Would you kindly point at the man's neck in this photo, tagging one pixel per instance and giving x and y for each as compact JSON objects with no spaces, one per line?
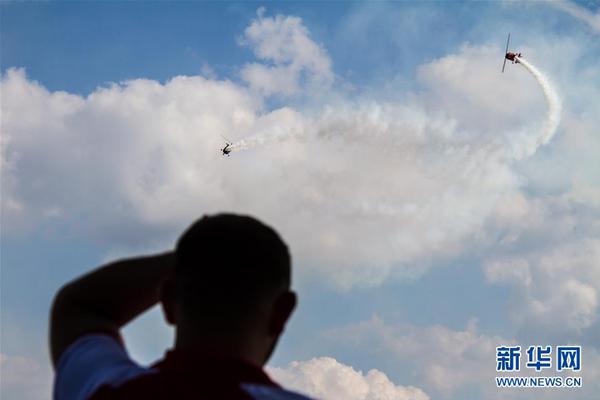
{"x":222,"y":346}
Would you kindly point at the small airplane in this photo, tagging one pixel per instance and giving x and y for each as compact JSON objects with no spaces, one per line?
{"x":514,"y":57}
{"x":227,"y":149}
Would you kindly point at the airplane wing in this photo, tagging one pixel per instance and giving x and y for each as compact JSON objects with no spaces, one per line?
{"x":505,"y":52}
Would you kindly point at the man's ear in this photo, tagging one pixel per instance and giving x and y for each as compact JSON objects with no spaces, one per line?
{"x":282,"y":310}
{"x":166,"y":297}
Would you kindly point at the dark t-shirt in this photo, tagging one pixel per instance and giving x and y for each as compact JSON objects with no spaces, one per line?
{"x":97,"y":367}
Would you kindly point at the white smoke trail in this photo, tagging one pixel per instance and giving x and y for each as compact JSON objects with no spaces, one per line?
{"x":554,"y":106}
{"x":286,"y":123}
{"x":277,"y":133}
{"x":277,"y":126}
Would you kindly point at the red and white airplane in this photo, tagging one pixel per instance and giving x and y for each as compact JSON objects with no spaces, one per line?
{"x":514,"y":57}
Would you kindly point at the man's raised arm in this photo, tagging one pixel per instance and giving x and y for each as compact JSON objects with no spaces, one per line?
{"x":106,"y":299}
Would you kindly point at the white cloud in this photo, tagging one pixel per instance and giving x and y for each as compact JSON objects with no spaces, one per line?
{"x":291,"y":58}
{"x":365,"y":189}
{"x":581,"y":13}
{"x":468,"y":86}
{"x":143,"y":157}
{"x":509,"y":271}
{"x":326,"y":378}
{"x":362,"y":190}
{"x":556,"y":290}
{"x":542,"y":239}
{"x":545,"y":244}
{"x":439,"y":359}
{"x":448,"y":363}
{"x":122,"y":153}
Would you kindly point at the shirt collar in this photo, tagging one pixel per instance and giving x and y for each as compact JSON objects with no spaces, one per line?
{"x":207,"y":364}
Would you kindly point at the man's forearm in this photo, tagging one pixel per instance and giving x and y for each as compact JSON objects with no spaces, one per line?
{"x":107,"y":298}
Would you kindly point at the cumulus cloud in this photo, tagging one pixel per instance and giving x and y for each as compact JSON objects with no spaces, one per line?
{"x":291,"y":59}
{"x":459,"y":85}
{"x":361,"y":189}
{"x":326,"y":378}
{"x":542,"y":236}
{"x":449,"y":363}
{"x":544,"y":244}
{"x":122,"y":153}
{"x":144,"y":156}
{"x":563,"y":281}
{"x":439,"y":359}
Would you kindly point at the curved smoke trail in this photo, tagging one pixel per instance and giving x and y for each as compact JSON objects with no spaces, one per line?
{"x":553,"y":101}
{"x":292,"y":123}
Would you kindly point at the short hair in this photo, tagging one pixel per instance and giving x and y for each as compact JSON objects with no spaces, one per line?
{"x":227,"y":264}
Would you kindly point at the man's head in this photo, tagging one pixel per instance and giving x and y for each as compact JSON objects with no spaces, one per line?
{"x":231,"y":284}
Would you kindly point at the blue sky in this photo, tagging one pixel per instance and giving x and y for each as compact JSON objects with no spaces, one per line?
{"x":165,"y":40}
{"x":419,"y":240}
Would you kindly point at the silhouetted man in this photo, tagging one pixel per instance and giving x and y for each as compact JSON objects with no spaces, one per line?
{"x":226,"y":288}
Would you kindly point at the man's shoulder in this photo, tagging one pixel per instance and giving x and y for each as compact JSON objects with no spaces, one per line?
{"x":97,"y":367}
{"x":183,"y":375}
{"x":156,"y":386}
{"x":92,"y":361}
{"x":264,"y":392}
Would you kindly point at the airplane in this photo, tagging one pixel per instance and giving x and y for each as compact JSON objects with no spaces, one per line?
{"x":514,"y":57}
{"x":227,"y":149}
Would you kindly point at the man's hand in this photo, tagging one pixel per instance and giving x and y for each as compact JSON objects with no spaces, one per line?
{"x":106,"y":299}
